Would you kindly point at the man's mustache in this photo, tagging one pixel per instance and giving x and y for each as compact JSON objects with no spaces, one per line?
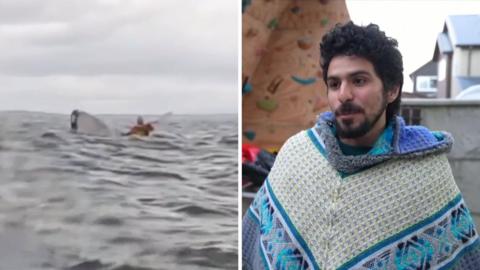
{"x":348,"y":108}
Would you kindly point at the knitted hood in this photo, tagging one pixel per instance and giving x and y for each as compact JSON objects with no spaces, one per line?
{"x":397,"y":141}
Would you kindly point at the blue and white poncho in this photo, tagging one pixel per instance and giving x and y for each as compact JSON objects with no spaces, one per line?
{"x":396,"y":207}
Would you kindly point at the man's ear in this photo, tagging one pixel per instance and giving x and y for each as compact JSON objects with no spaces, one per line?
{"x":393,"y":93}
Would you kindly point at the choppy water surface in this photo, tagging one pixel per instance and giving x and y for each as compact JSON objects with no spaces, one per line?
{"x":70,"y":201}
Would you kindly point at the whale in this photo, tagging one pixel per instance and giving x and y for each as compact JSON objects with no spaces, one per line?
{"x":84,"y":123}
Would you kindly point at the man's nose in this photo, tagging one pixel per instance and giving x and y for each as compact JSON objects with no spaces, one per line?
{"x":345,"y":93}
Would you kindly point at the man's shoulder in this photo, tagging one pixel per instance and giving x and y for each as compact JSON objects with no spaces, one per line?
{"x":297,"y":139}
{"x":421,"y":140}
{"x":298,"y":148}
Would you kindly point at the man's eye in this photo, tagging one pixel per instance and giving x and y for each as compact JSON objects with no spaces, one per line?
{"x":359,"y":81}
{"x":333,"y":85}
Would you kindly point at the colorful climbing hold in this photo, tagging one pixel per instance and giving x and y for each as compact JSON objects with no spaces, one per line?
{"x":247,"y":88}
{"x":249,"y":134}
{"x":268,"y":105}
{"x":251,"y":32}
{"x":295,"y":9}
{"x":324,"y":21}
{"x":304,"y":81}
{"x":274,"y":84}
{"x":304,"y":43}
{"x":272,"y":24}
{"x":245,"y":4}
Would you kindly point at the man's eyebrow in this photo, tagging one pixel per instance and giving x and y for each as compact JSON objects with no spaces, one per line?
{"x":361,"y":72}
{"x":352,"y":74}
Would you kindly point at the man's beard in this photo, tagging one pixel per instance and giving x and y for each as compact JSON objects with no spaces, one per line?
{"x":347,"y":130}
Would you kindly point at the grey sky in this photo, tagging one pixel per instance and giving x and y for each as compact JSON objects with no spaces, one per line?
{"x":112,"y":56}
{"x":415,"y":24}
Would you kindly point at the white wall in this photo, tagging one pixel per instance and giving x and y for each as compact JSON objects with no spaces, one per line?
{"x":461,"y":62}
{"x":460,"y":118}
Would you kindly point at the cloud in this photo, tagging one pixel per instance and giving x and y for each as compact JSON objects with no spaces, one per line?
{"x":118,"y":94}
{"x":107,"y":50}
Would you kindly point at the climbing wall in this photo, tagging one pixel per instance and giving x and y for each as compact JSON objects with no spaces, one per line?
{"x":283,"y":90}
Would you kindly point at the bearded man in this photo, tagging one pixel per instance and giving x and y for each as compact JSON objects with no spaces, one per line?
{"x":361,"y":190}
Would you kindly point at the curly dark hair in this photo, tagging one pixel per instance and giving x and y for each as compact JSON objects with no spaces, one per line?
{"x":372,"y":44}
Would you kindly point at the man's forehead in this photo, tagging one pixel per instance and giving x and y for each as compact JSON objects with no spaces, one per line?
{"x":341,"y":66}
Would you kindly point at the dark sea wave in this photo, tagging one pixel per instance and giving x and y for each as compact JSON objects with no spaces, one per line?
{"x":74,"y":202}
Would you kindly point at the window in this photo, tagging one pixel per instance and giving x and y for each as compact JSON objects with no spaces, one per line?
{"x":426,"y":83}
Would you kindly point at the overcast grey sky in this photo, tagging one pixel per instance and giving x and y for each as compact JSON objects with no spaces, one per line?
{"x":415,"y":24}
{"x":119,"y":56}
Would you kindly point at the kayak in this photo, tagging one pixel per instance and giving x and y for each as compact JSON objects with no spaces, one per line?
{"x":137,"y":137}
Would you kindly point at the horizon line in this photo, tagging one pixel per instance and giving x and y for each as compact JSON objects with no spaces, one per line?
{"x":131,"y":113}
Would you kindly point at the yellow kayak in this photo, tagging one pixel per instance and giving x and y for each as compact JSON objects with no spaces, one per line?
{"x":137,"y":136}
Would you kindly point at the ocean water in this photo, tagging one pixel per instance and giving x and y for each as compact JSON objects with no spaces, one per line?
{"x":75,"y":202}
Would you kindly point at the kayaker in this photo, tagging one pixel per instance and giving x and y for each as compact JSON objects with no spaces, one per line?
{"x":141,"y":128}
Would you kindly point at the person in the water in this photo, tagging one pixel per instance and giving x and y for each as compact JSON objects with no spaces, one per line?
{"x":141,"y":128}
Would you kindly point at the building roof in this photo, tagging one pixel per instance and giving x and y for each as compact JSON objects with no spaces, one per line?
{"x":458,"y":31}
{"x":463,"y":30}
{"x":428,"y":69}
{"x":444,"y":44}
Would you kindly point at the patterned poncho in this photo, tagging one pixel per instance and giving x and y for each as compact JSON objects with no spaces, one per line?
{"x":396,"y":207}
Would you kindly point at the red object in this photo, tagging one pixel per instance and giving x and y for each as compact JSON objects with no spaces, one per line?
{"x":249,"y":153}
